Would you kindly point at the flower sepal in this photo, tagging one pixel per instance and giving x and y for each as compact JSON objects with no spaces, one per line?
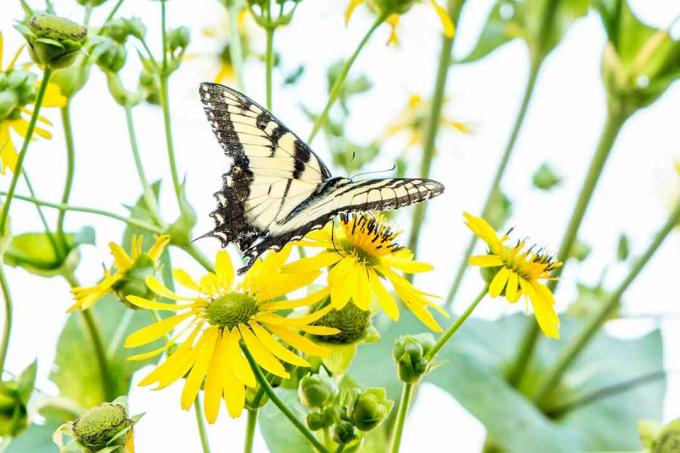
{"x":369,"y":408}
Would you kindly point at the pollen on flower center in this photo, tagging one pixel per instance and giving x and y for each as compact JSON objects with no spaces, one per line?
{"x":367,"y":238}
{"x":231,"y":309}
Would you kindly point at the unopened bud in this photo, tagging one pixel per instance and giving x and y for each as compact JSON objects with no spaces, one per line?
{"x":370,"y":408}
{"x":53,"y":41}
{"x":409,"y":353}
{"x":316,"y":390}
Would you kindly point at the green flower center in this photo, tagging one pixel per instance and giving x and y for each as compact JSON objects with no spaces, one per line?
{"x":351,"y":321}
{"x":57,"y":28}
{"x":362,"y":255}
{"x":98,"y":425}
{"x":231,"y":309}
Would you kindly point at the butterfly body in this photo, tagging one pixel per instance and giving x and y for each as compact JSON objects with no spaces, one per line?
{"x":277,"y":189}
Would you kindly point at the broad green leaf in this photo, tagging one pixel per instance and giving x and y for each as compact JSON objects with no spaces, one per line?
{"x":36,"y":439}
{"x":279,"y":433}
{"x":34,"y":251}
{"x":510,"y":19}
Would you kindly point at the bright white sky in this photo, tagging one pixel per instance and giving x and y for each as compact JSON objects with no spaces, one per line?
{"x":562,"y":127}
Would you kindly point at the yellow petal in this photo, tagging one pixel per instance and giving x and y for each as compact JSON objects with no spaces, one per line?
{"x":262,"y":356}
{"x":150,"y":354}
{"x":237,"y":362}
{"x":184,"y":279}
{"x":154,"y":331}
{"x":363,"y":296}
{"x":176,"y":365}
{"x":484,"y":231}
{"x":445,"y":19}
{"x":498,"y":283}
{"x":299,"y":342}
{"x":157,"y":248}
{"x":234,"y":394}
{"x":350,"y":9}
{"x":224,"y":269}
{"x":210,"y":284}
{"x":341,"y":289}
{"x":385,"y":299}
{"x":313,"y":263}
{"x":485,"y":261}
{"x":163,"y":291}
{"x":295,"y":321}
{"x":543,"y":311}
{"x":204,"y":352}
{"x":393,"y":21}
{"x":511,"y":291}
{"x":120,"y":257}
{"x":53,"y":96}
{"x":214,"y":381}
{"x":412,"y":267}
{"x":275,"y":347}
{"x":153,"y":305}
{"x":310,"y":299}
{"x":319,"y":330}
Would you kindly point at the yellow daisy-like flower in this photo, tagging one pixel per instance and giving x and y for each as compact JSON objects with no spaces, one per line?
{"x":412,"y":121}
{"x":219,"y":320}
{"x":123,"y":267}
{"x":393,"y":19}
{"x":361,"y":253}
{"x":226,"y":72}
{"x":518,"y":272}
{"x":16,"y":117}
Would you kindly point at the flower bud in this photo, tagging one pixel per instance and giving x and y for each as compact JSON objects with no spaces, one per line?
{"x":113,"y":58}
{"x":316,"y":390}
{"x":394,"y":6}
{"x":545,"y":178}
{"x":409,"y":353}
{"x":91,"y":3}
{"x":351,"y":321}
{"x":150,"y":87}
{"x":370,"y":408}
{"x":98,"y":425}
{"x":53,"y":41}
{"x":321,"y":420}
{"x":178,"y":38}
{"x":119,"y":29}
{"x":344,"y":432}
{"x":14,"y":397}
{"x":133,"y":282}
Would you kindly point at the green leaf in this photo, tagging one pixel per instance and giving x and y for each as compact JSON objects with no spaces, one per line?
{"x":26,"y":382}
{"x":511,"y":19}
{"x":278,"y":432}
{"x":34,"y":251}
{"x":36,"y":439}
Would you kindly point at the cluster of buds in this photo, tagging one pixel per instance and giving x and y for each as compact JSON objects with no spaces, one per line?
{"x":17,"y":89}
{"x":347,"y":413}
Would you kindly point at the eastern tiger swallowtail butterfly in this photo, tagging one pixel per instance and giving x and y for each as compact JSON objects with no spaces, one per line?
{"x":277,"y":189}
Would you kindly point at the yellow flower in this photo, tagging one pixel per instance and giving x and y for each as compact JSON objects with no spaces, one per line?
{"x":123,"y":272}
{"x":213,"y":325}
{"x":226,"y":72}
{"x":361,"y":253}
{"x":14,"y":112}
{"x":412,"y":120}
{"x":518,"y":271}
{"x":393,"y":19}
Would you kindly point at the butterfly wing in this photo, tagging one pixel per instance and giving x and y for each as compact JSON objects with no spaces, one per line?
{"x":273,"y":171}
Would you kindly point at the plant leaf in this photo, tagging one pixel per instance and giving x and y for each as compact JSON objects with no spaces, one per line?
{"x":278,"y":432}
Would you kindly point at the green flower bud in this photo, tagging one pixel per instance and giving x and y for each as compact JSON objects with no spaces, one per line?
{"x":545,"y":177}
{"x":321,"y":420}
{"x":14,"y":397}
{"x":409,"y":353}
{"x":134,"y":281}
{"x":113,"y":58}
{"x":351,"y":321}
{"x":393,"y":6}
{"x":91,"y":3}
{"x":316,"y":390}
{"x":370,"y":408}
{"x":119,"y":29}
{"x":668,"y":440}
{"x":344,"y":432}
{"x":53,"y":41}
{"x":9,"y":101}
{"x":178,"y":38}
{"x":623,"y":247}
{"x":150,"y":87}
{"x":100,"y":424}
{"x":72,"y":79}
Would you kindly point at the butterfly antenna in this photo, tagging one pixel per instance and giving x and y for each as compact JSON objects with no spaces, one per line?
{"x":389,"y":170}
{"x":208,"y":234}
{"x":333,"y":235}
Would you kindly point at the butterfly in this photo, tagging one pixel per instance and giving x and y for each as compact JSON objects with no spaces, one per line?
{"x":277,"y":189}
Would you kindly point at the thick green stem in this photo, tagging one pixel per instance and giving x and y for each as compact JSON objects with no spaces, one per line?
{"x":251,"y":424}
{"x":613,"y":124}
{"x":24,"y":148}
{"x":133,"y":222}
{"x":200,"y":423}
{"x":434,"y":120}
{"x":340,"y":81}
{"x":404,"y":402}
{"x":70,"y":171}
{"x":7,"y":328}
{"x":579,"y":342}
{"x":278,"y":402}
{"x":498,"y":177}
{"x":148,"y":195}
{"x":165,"y":105}
{"x":456,"y":325}
{"x":235,"y":45}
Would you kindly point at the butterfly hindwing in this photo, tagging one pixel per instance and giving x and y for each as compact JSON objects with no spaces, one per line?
{"x":277,"y":189}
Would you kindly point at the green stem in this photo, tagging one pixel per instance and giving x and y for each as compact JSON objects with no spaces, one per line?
{"x":165,"y":104}
{"x":24,"y":148}
{"x":406,"y":392}
{"x":43,"y":220}
{"x":7,"y":328}
{"x":281,"y":405}
{"x":198,"y":255}
{"x":114,"y":10}
{"x":498,"y":176}
{"x":70,"y":170}
{"x":269,"y":64}
{"x":615,"y":120}
{"x":201,"y":426}
{"x":579,"y":342}
{"x":251,"y":424}
{"x":340,"y":81}
{"x":454,"y":327}
{"x":434,"y":120}
{"x":133,"y":222}
{"x":148,"y":195}
{"x":235,"y":45}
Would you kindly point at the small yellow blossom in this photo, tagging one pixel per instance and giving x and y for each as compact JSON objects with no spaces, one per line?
{"x":412,"y":118}
{"x":213,"y":325}
{"x":226,"y":72}
{"x":361,"y":253}
{"x":16,"y":117}
{"x":518,"y":271}
{"x":87,"y":296}
{"x":393,"y":19}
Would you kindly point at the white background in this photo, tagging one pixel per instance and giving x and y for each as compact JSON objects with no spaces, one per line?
{"x":562,"y":126}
